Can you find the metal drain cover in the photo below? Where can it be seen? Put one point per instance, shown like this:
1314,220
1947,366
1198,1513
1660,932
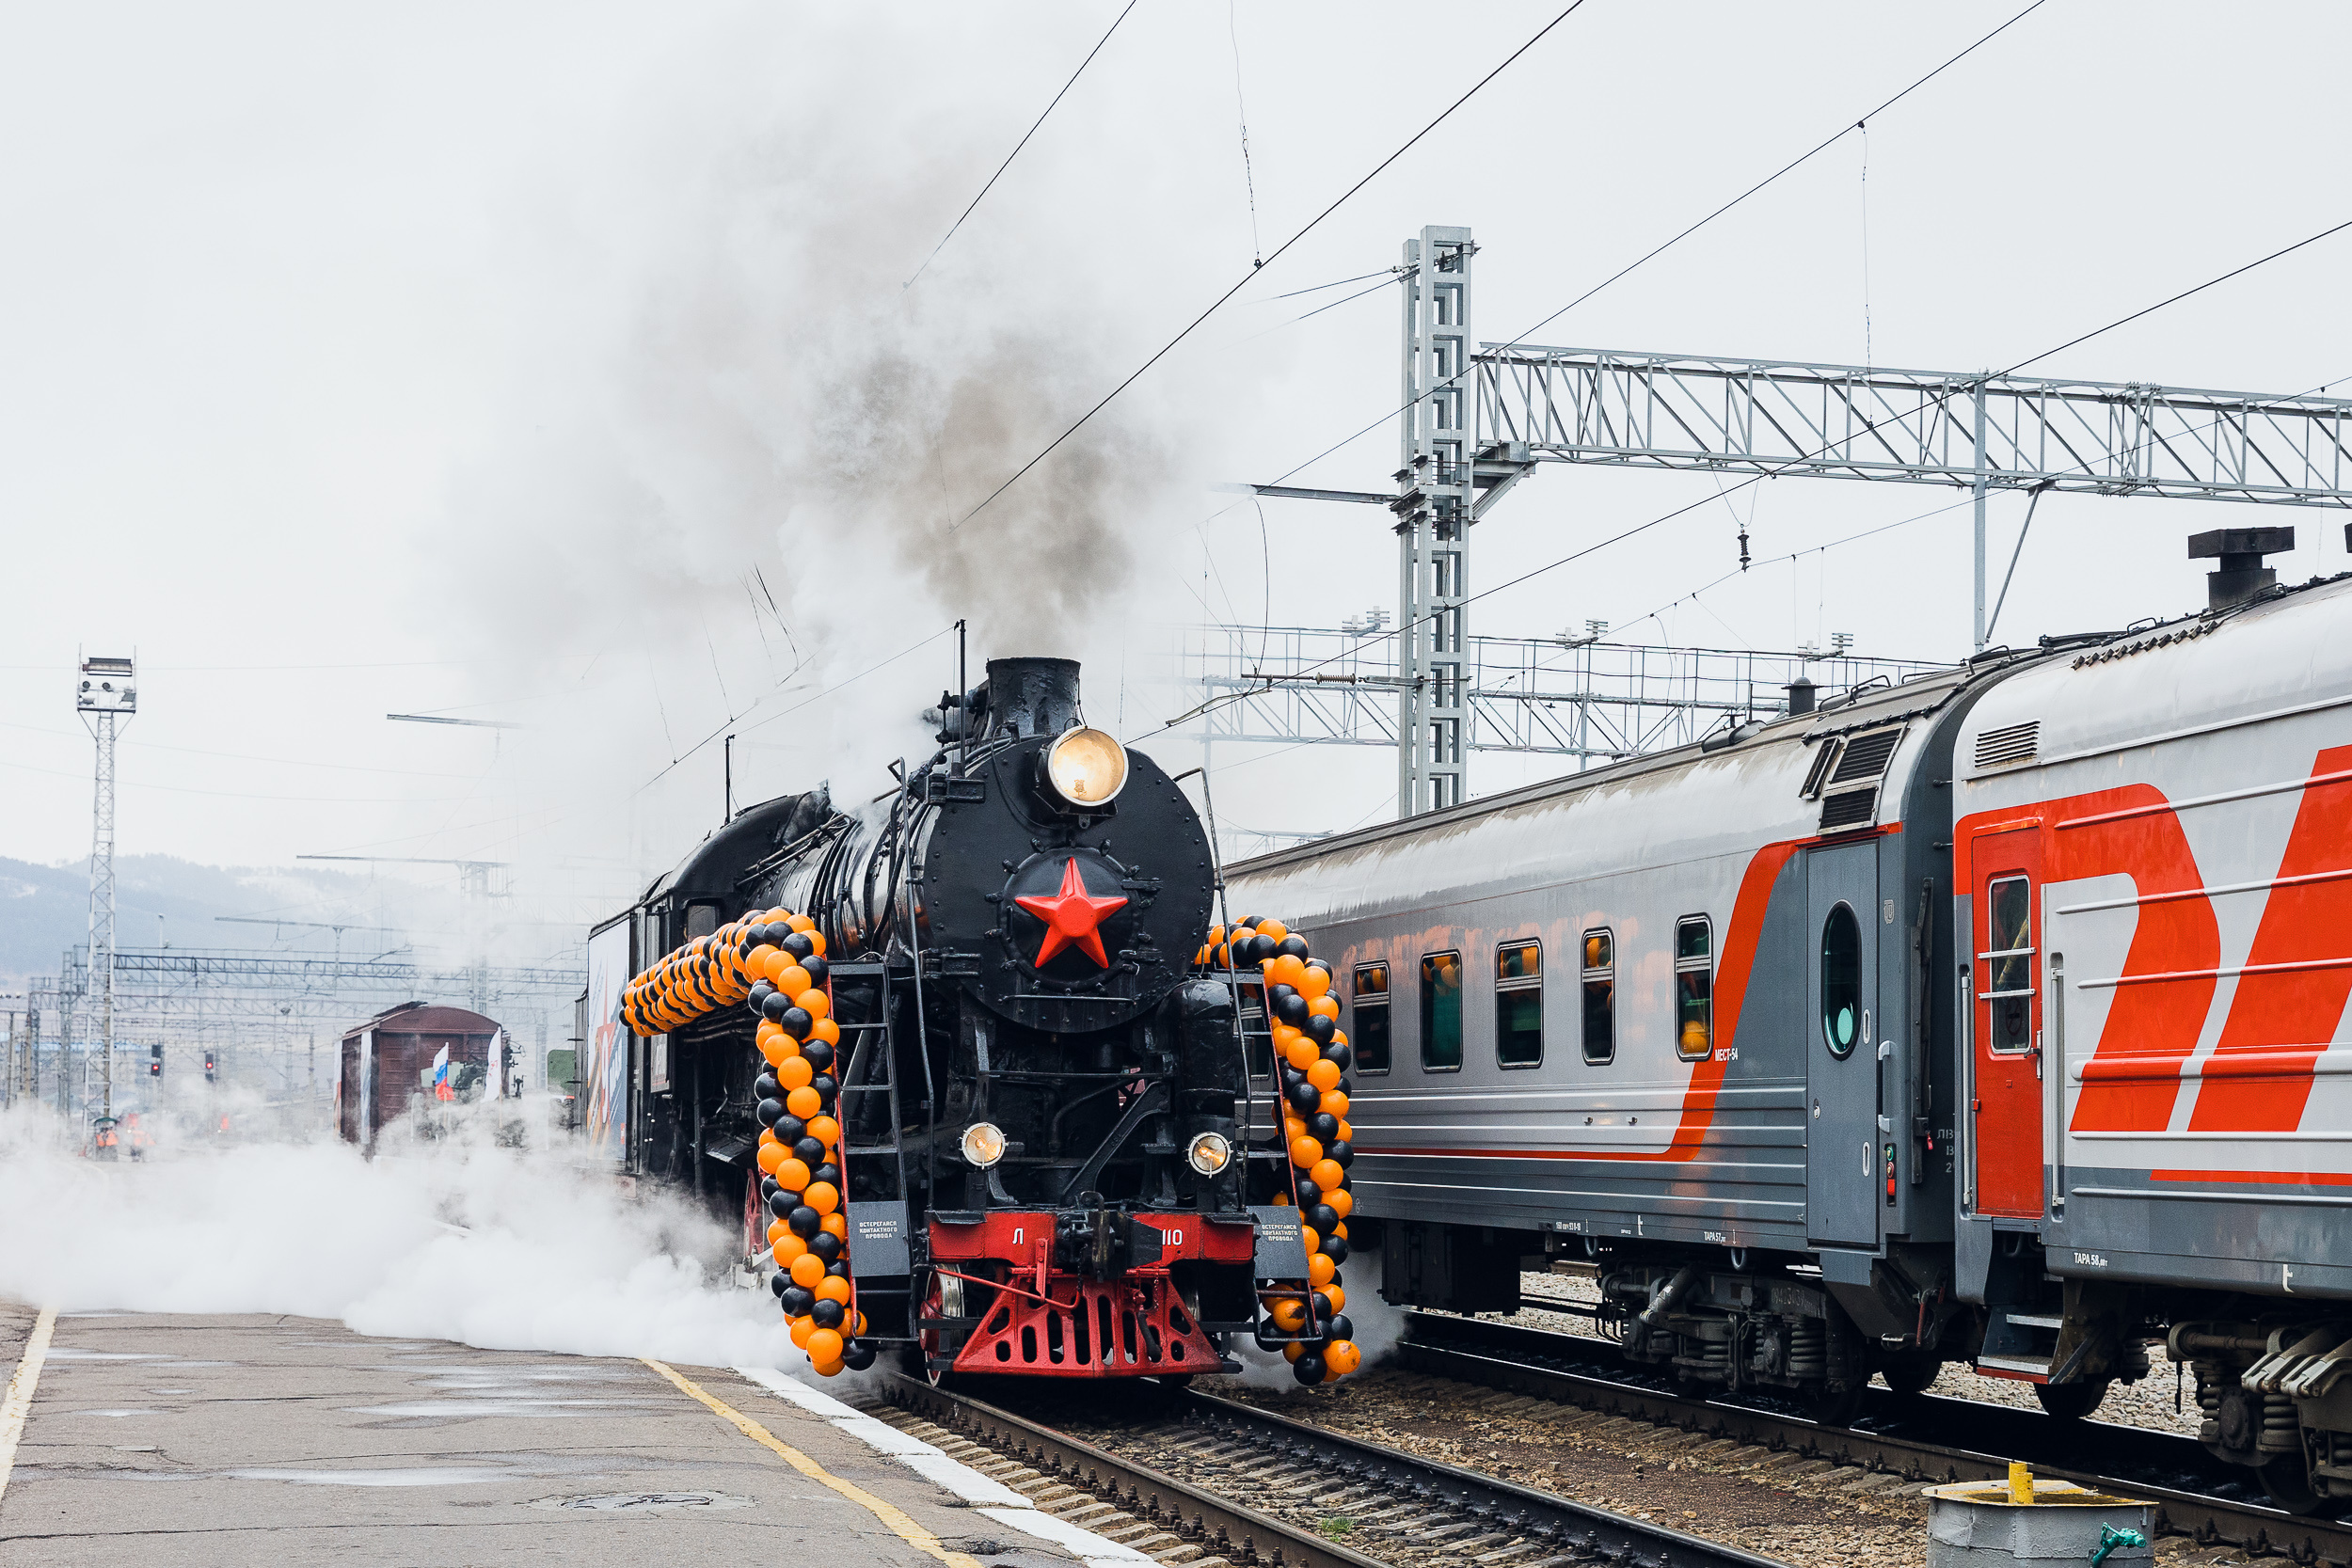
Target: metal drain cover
645,1502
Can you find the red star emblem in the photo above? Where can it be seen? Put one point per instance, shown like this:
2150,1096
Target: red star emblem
1073,918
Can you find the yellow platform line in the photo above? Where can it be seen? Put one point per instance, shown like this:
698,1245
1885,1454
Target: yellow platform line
19,1403
897,1518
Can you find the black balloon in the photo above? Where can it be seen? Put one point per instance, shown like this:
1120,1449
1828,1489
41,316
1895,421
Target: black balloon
1305,1097
827,1171
780,1203
1308,1368
1309,1195
1324,1218
817,969
767,1087
796,1023
790,1130
1339,1056
837,1269
1249,922
1320,1030
779,1282
1323,1124
1292,1009
767,1187
818,1055
823,1085
1269,1336
1294,945
798,946
826,1245
1292,1078
797,1300
809,1152
773,1006
828,1314
1342,1151
805,1222
1335,1249
761,992
1322,1306
859,1357
1340,1327
769,1110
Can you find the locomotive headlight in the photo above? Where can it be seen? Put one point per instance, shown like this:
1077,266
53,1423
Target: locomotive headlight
983,1144
1086,767
1209,1153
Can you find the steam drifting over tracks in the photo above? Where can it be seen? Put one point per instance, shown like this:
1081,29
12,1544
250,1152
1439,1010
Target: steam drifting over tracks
1256,1489
2172,1472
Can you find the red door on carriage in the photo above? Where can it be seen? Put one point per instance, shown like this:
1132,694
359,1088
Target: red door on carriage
2005,989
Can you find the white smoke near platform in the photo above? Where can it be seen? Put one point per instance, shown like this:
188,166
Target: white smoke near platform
460,1240
1379,1329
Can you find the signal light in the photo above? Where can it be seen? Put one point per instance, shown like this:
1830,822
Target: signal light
208,1067
155,1061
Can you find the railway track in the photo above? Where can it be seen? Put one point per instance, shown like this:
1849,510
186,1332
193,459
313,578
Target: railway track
1262,1491
2194,1495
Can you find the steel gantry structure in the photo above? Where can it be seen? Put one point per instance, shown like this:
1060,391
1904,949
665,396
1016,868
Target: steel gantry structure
1474,424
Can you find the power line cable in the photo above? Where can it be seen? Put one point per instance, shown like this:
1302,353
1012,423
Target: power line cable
1018,146
1249,181
1659,249
1309,227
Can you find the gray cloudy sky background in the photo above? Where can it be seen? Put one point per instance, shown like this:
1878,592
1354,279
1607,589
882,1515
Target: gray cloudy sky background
470,359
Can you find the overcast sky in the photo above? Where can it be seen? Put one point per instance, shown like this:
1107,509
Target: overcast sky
553,364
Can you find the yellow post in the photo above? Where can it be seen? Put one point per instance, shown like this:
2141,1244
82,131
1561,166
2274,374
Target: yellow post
2020,1481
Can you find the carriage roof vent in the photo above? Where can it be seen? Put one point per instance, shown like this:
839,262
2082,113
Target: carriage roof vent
1846,774
2009,745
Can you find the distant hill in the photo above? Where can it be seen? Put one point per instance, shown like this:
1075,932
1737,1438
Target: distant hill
45,909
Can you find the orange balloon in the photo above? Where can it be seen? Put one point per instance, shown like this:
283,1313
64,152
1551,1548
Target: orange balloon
1282,1200
1340,1230
799,923
825,1346
1327,1174
1292,1351
1284,1037
1305,1151
1274,928
803,1328
827,1030
1293,1129
1301,1053
1326,1005
1323,1074
1289,1316
816,939
1287,970
780,1049
824,1129
1319,1269
1312,1238
792,1176
828,1368
1342,1202
808,1271
1338,1037
823,1196
794,1071
790,1249
1334,1103
1343,1356
815,1003
836,1226
1337,1297
777,1232
788,977
861,1324
1315,988
766,1137
803,1102
771,1156
833,1287
1348,1133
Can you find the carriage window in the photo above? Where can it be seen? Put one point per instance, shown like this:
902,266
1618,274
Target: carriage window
1370,1036
1600,997
1441,1012
2008,963
1519,1003
1841,980
1694,987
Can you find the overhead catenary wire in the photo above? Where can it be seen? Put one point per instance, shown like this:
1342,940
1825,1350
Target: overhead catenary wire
1018,145
1661,247
1164,349
1868,425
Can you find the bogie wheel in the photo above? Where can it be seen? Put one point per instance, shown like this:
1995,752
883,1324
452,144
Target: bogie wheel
2071,1401
1835,1407
1911,1374
2290,1486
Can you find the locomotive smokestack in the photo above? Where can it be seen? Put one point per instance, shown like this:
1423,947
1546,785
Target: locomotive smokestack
2240,550
1031,696
1801,692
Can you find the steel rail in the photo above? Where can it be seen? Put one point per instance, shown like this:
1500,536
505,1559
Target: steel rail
1569,1531
1509,1358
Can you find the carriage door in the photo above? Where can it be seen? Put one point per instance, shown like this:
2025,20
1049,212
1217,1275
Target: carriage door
1840,1028
2005,988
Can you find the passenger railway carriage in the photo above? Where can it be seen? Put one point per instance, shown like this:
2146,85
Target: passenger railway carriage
1997,1017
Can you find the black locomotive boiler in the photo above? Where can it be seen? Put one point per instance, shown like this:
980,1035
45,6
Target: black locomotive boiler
1021,1115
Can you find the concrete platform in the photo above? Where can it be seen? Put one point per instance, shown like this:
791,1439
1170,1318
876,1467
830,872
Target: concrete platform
290,1442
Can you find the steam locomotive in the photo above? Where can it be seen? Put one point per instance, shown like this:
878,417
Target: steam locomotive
1027,1120
1997,1017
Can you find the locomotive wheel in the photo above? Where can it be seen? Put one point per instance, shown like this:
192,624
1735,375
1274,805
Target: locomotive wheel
1833,1407
2071,1401
1911,1375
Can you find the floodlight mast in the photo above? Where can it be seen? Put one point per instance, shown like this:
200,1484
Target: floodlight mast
108,692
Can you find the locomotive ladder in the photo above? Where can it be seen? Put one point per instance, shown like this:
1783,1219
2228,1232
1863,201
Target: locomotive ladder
871,1069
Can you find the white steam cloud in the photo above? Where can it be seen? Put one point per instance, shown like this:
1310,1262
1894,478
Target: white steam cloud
461,1241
